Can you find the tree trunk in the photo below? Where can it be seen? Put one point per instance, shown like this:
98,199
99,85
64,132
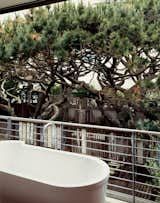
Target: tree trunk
41,101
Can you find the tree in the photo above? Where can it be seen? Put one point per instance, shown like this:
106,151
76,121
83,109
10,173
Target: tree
117,42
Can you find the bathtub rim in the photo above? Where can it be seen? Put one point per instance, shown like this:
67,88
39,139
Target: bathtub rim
93,185
90,187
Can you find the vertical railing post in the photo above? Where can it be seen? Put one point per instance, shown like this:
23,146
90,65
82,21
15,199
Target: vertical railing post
133,142
28,133
31,135
84,141
9,125
50,134
22,131
54,136
58,137
44,136
62,138
140,152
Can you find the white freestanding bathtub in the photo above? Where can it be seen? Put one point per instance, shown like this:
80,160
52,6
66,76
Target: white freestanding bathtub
30,174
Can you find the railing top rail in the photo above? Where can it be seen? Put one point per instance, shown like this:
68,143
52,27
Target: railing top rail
20,119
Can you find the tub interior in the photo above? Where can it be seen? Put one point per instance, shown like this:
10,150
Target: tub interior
52,167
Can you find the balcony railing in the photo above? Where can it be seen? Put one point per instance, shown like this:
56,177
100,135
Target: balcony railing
133,155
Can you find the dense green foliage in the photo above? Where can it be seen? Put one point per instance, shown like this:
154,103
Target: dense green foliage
116,29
